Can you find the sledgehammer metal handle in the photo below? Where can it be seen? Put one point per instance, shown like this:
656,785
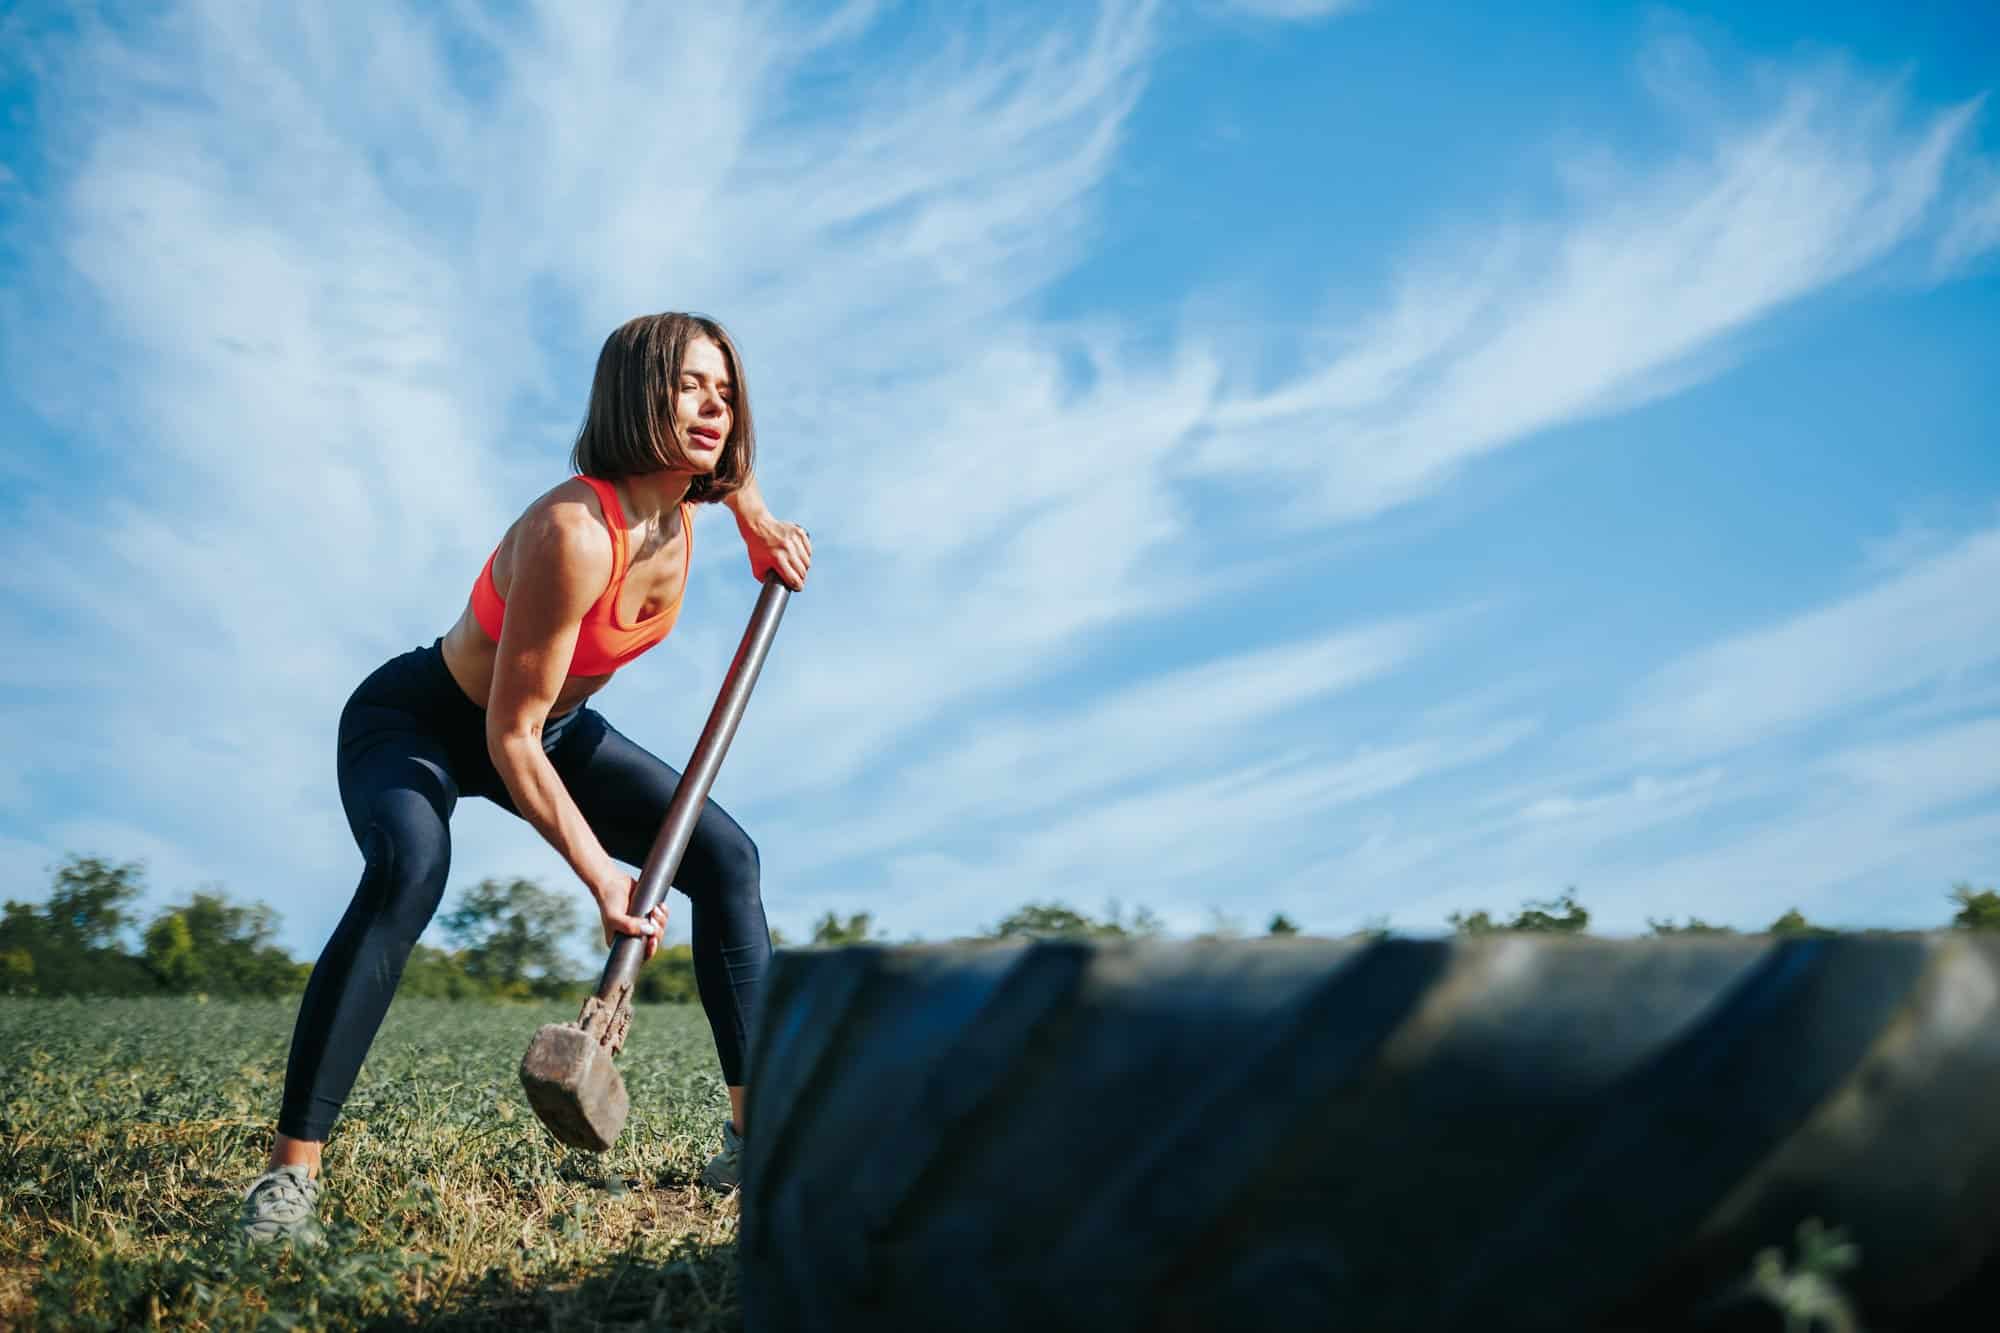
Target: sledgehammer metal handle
670,843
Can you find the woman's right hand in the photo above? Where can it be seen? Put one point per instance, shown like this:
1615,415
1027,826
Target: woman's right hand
614,899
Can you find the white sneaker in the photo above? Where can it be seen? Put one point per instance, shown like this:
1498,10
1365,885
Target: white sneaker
282,1204
724,1171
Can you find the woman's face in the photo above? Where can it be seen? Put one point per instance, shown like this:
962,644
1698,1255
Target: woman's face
702,411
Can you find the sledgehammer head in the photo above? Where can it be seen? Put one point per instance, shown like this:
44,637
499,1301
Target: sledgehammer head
571,1082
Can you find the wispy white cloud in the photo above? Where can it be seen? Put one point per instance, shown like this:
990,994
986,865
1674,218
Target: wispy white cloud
1937,621
1876,840
1014,768
1974,226
1183,845
1681,811
1292,10
1924,771
1868,837
1632,293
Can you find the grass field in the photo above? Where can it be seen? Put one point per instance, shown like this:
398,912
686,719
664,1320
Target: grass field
130,1128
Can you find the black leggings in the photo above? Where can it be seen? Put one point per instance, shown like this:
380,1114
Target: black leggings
410,744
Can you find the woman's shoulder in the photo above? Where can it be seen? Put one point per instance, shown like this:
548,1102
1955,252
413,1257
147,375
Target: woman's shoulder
574,502
566,524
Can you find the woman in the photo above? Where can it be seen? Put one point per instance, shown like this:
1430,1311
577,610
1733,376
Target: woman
582,583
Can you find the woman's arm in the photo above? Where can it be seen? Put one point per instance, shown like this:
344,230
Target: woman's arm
747,502
569,555
771,542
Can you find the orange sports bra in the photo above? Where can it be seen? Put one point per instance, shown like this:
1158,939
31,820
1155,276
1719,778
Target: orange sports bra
604,643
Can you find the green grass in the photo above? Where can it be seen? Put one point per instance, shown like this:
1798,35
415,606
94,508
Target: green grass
130,1128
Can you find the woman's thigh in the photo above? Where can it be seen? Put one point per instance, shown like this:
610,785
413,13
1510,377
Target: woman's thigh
623,791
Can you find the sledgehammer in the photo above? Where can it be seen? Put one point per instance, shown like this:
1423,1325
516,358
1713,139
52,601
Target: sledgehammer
567,1072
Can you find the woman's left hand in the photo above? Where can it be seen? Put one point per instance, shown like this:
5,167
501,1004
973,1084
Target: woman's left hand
776,544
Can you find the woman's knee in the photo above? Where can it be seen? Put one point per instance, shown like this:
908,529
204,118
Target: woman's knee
728,863
751,865
408,861
742,867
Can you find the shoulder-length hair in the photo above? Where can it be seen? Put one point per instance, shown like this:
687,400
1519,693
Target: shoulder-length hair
629,429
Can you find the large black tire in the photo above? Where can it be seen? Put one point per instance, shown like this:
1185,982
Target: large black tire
1501,1132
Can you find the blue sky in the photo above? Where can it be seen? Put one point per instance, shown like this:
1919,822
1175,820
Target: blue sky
1359,461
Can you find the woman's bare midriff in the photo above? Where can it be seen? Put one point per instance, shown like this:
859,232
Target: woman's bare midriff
469,655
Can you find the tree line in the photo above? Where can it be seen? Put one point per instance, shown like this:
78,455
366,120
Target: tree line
506,939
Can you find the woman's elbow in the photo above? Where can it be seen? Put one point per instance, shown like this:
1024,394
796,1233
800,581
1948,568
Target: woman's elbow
507,739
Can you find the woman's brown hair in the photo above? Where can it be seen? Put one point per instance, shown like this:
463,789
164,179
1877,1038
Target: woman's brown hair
629,429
